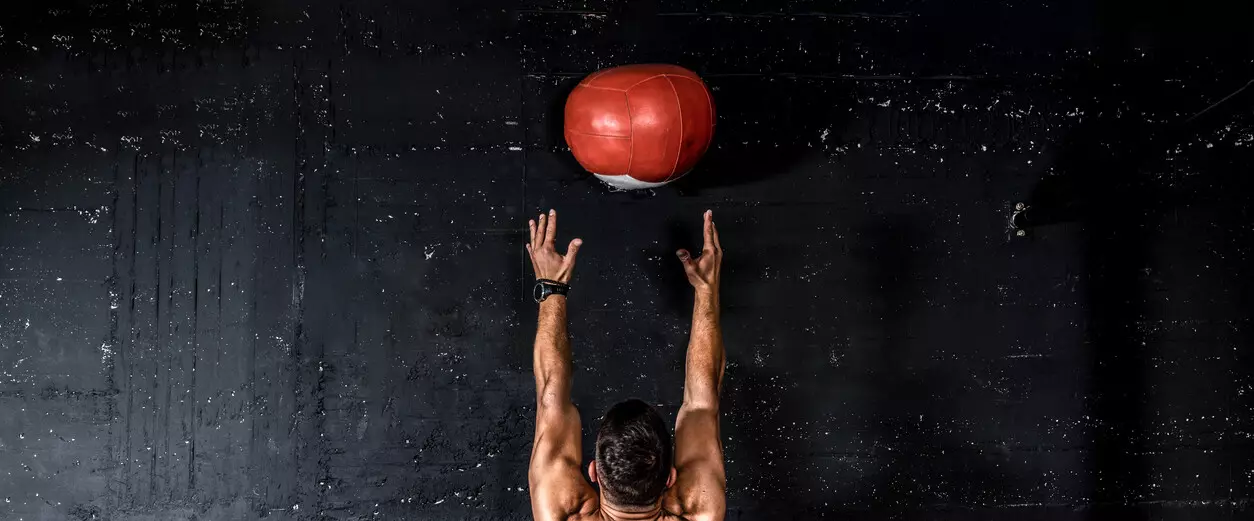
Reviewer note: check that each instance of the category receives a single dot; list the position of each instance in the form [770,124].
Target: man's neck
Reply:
[615,514]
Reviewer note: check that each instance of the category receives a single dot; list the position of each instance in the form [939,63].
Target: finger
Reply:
[717,245]
[685,258]
[571,251]
[531,227]
[540,230]
[709,232]
[550,235]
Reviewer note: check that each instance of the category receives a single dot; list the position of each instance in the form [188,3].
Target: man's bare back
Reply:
[694,487]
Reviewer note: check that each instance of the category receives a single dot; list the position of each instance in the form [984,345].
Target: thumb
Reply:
[572,250]
[685,258]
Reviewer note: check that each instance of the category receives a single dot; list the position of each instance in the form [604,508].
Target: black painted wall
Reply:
[262,259]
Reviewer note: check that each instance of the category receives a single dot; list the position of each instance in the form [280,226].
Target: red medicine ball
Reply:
[640,126]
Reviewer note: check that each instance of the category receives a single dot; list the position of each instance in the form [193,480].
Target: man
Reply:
[637,476]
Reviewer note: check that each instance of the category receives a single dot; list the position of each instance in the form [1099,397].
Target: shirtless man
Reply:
[638,476]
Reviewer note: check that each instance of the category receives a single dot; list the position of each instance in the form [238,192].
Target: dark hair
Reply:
[633,454]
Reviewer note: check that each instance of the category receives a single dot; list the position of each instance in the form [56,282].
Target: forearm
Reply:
[705,360]
[551,357]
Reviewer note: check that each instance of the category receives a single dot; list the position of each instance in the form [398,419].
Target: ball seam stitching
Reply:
[631,134]
[680,104]
[633,85]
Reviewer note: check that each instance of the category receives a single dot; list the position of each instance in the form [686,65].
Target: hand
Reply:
[545,260]
[703,271]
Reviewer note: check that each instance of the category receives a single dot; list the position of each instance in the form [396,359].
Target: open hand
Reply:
[703,270]
[545,260]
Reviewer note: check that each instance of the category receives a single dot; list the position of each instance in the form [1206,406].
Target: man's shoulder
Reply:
[674,508]
[586,516]
[667,516]
[597,516]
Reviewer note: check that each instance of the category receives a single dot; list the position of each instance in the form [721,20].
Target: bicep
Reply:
[557,485]
[700,481]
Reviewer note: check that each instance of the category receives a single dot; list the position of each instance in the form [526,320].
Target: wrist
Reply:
[706,298]
[548,288]
[708,292]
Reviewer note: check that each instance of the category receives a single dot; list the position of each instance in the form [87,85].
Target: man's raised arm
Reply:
[700,484]
[558,488]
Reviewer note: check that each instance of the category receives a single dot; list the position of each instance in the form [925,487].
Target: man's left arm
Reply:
[558,489]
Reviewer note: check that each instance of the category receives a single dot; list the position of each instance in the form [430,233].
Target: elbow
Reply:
[549,398]
[702,396]
[552,390]
[700,403]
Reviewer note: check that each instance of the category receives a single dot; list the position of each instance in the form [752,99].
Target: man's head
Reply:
[633,455]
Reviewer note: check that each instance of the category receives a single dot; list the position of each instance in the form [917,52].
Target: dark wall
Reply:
[262,259]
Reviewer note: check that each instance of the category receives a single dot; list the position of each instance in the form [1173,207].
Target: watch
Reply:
[546,287]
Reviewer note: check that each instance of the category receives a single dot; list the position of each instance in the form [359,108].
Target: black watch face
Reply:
[539,292]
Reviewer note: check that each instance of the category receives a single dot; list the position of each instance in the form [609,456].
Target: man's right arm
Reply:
[558,488]
[700,485]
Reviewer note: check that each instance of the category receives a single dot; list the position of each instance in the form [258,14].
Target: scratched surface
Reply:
[260,259]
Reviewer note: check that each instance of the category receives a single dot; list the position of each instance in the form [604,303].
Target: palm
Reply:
[703,271]
[545,260]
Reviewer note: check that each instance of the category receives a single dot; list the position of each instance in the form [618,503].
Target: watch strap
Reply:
[546,287]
